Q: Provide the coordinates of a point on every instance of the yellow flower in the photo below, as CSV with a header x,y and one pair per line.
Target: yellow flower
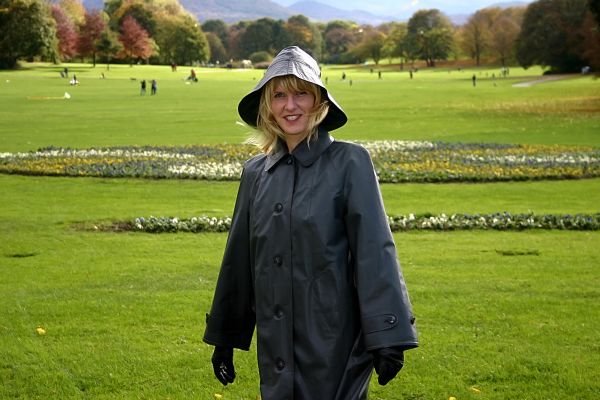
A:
x,y
218,396
451,398
475,390
40,331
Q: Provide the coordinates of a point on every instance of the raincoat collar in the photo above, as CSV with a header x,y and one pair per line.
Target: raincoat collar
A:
x,y
306,154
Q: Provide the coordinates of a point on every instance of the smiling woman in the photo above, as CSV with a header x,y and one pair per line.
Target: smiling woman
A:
x,y
310,260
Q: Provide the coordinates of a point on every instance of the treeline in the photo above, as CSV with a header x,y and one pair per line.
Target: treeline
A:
x,y
561,34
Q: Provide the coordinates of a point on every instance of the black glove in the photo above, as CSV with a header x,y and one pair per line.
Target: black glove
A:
x,y
388,362
222,361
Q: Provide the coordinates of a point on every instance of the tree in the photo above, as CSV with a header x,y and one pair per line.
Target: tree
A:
x,y
371,45
304,34
551,35
217,27
74,10
65,33
135,40
476,34
395,42
90,33
264,34
339,37
218,53
429,36
108,46
181,40
26,30
505,31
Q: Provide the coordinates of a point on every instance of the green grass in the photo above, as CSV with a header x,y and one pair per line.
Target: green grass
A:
x,y
512,315
435,105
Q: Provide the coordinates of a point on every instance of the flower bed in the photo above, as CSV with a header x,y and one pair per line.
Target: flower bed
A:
x,y
395,161
442,222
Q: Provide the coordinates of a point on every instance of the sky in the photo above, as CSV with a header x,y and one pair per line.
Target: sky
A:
x,y
402,7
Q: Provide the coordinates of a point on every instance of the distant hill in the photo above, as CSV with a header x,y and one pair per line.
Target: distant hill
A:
x,y
508,4
226,10
322,12
232,11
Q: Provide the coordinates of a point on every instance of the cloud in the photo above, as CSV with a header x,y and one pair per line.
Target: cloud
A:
x,y
414,2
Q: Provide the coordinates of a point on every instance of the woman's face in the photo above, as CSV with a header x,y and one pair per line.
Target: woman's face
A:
x,y
291,110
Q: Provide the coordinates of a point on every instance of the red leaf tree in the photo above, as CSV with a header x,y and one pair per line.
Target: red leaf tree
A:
x,y
65,33
90,33
135,40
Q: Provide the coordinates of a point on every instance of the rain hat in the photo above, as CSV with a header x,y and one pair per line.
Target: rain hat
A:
x,y
292,61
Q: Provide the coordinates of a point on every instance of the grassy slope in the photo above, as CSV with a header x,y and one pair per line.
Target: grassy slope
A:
x,y
124,312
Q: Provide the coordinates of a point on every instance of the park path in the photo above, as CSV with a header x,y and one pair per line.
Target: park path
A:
x,y
544,79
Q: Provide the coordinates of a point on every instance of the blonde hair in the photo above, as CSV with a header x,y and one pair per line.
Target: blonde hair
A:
x,y
268,131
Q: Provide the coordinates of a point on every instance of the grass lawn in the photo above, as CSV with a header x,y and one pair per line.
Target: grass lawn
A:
x,y
501,315
435,105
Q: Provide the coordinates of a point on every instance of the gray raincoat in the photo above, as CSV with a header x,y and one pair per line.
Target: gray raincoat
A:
x,y
310,261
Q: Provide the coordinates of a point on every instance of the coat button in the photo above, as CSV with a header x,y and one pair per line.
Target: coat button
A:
x,y
290,161
391,319
278,207
279,364
277,260
278,313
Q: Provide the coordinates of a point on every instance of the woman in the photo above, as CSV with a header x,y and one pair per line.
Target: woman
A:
x,y
310,259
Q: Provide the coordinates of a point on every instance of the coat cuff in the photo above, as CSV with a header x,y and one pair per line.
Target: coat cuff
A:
x,y
220,332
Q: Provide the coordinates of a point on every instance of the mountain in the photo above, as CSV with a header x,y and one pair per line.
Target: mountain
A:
x,y
508,4
322,12
235,10
232,11
226,10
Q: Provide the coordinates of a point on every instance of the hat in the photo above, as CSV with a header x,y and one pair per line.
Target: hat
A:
x,y
292,61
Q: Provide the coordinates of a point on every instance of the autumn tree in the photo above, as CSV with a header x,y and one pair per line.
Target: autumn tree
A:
x,y
74,10
429,36
90,33
135,40
26,30
304,34
505,30
66,33
370,45
338,38
476,33
551,35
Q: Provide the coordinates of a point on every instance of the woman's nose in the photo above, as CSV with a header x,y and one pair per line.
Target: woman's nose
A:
x,y
290,103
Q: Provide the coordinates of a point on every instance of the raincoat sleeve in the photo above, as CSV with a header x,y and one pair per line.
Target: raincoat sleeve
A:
x,y
232,317
386,313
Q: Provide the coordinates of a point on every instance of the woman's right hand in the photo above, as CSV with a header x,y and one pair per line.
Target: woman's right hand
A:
x,y
222,361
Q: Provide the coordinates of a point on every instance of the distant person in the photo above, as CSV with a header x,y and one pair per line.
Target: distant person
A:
x,y
66,71
410,73
74,80
310,260
474,79
153,87
143,87
379,74
343,76
192,76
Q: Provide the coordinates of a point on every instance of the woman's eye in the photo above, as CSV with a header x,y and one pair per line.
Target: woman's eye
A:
x,y
302,93
278,95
